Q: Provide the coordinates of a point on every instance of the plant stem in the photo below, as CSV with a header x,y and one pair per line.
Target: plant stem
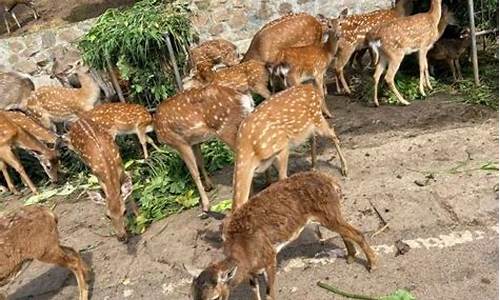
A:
x,y
345,294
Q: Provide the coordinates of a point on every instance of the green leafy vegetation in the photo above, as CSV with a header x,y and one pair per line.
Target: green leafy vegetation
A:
x,y
400,294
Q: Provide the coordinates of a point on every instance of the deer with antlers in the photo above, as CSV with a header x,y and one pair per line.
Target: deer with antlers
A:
x,y
286,119
195,116
98,150
13,135
394,40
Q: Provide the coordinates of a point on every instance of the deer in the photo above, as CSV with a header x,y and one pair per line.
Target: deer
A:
x,y
51,104
29,124
286,119
13,135
246,77
405,35
124,118
195,116
9,5
258,230
354,30
297,64
292,30
14,87
30,233
98,150
213,52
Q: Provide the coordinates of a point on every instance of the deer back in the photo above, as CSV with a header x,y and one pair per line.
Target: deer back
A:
x,y
213,52
32,126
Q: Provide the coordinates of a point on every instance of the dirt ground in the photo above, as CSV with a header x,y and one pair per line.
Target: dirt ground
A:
x,y
419,166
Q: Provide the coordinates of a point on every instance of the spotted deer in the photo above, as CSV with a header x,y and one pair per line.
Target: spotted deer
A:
x,y
293,30
32,126
284,120
394,40
258,230
124,118
8,8
13,135
14,87
213,52
98,150
30,233
52,104
195,116
354,30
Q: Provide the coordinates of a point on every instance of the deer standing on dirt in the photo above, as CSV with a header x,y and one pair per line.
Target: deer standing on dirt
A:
x,y
394,40
31,233
13,135
258,230
354,30
450,50
14,87
52,104
9,5
286,119
124,118
195,116
213,52
98,150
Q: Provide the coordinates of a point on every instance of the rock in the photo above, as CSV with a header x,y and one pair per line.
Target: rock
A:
x,y
238,21
203,4
69,35
285,8
48,39
221,14
26,66
16,46
216,29
300,2
401,247
199,20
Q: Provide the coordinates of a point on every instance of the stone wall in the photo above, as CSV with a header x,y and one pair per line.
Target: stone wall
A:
x,y
235,20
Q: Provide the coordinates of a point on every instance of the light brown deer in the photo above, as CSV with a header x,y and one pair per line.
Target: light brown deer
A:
x,y
52,104
354,30
98,150
212,52
246,77
14,87
32,126
124,118
394,40
293,30
195,116
297,64
258,230
286,119
12,135
450,50
31,233
8,7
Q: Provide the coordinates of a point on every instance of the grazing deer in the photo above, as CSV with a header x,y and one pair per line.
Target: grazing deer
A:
x,y
32,126
286,119
124,118
13,135
246,77
293,30
98,150
451,50
258,230
354,29
52,104
297,64
394,40
31,233
210,53
195,116
14,87
9,5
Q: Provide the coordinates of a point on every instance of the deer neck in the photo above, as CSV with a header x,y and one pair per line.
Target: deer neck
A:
x,y
331,45
89,90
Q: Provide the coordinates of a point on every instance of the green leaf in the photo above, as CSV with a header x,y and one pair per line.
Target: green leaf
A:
x,y
222,206
399,295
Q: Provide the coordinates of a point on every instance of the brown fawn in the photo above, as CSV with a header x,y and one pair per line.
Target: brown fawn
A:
x,y
13,135
98,150
213,52
195,116
8,7
286,119
31,233
258,230
394,40
124,118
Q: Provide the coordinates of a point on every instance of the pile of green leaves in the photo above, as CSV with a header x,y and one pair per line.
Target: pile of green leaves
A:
x,y
134,40
397,295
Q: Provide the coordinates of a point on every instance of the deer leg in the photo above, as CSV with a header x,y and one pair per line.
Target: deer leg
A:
x,y
451,63
421,64
271,277
327,131
391,74
427,75
376,77
8,179
262,90
321,86
13,14
459,69
242,182
6,23
344,82
201,165
35,13
282,162
254,284
141,134
10,158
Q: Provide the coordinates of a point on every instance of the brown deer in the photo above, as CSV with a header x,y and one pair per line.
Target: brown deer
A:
x,y
8,7
212,52
124,118
394,40
450,50
297,64
293,30
195,116
98,150
32,126
13,135
258,230
14,87
246,77
354,30
286,119
52,104
31,233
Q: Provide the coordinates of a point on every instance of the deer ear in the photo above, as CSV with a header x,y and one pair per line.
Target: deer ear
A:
x,y
228,275
344,13
194,272
325,36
